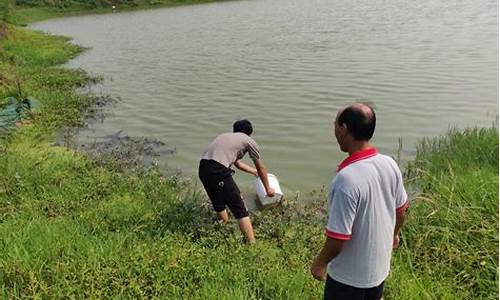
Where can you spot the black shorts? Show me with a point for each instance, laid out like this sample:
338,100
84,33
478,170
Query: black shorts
335,290
221,188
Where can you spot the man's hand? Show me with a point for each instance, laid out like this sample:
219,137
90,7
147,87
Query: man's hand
331,249
318,270
262,172
395,241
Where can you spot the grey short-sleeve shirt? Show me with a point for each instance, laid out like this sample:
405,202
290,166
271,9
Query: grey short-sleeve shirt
230,147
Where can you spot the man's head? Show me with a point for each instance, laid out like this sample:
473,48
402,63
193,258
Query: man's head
243,126
354,123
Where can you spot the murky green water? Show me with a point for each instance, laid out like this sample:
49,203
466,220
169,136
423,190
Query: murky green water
185,74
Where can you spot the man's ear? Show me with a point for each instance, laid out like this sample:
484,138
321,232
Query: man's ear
343,129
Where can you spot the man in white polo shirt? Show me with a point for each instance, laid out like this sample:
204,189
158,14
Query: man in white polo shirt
366,206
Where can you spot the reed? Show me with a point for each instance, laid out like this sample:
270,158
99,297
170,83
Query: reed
451,240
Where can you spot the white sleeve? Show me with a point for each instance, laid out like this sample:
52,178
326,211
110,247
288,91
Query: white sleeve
341,213
401,196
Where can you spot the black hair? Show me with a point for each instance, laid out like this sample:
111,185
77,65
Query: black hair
243,126
360,124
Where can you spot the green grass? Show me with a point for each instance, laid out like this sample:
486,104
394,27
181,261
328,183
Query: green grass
451,239
75,229
72,227
30,50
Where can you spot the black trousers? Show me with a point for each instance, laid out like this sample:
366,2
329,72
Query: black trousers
221,188
335,290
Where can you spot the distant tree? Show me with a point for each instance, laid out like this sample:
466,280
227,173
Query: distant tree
84,3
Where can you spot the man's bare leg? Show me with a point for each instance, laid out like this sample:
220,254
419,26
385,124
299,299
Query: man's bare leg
247,229
222,216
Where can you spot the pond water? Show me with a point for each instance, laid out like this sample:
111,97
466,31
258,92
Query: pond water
184,74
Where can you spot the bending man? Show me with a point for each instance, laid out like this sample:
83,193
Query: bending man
215,173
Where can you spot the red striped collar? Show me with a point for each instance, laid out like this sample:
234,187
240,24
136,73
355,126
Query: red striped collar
357,156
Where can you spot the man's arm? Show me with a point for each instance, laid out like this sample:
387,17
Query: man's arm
262,172
400,219
331,249
245,168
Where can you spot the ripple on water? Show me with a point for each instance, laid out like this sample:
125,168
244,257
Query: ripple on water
185,74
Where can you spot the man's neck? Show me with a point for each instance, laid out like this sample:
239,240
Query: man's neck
358,146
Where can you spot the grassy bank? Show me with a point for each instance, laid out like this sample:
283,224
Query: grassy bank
451,238
75,227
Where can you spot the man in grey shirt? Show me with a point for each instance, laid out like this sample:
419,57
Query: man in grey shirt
215,173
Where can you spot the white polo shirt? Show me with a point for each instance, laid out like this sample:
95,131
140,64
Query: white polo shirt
363,201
